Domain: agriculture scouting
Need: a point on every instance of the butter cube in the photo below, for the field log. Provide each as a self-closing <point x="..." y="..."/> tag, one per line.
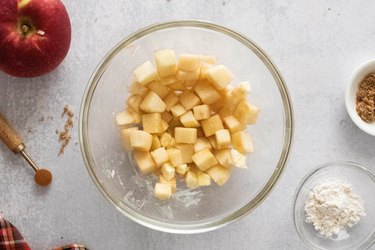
<point x="145" y="73"/>
<point x="144" y="162"/>
<point x="185" y="135"/>
<point x="204" y="159"/>
<point x="166" y="62"/>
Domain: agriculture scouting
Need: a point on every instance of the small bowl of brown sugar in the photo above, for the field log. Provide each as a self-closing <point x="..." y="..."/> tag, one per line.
<point x="360" y="97"/>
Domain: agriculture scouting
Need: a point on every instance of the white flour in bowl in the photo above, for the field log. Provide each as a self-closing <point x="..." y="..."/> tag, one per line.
<point x="331" y="206"/>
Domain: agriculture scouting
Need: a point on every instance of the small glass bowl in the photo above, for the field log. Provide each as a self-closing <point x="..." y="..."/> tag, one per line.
<point x="361" y="235"/>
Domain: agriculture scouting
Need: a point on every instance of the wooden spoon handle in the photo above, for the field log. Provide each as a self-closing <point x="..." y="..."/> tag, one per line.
<point x="10" y="137"/>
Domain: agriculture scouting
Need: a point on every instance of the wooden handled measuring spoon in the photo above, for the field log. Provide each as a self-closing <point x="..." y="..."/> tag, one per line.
<point x="13" y="141"/>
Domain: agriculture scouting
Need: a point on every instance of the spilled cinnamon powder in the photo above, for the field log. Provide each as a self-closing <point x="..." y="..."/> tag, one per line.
<point x="365" y="103"/>
<point x="64" y="136"/>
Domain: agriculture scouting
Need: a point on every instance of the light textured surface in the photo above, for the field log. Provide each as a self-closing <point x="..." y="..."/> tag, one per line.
<point x="315" y="43"/>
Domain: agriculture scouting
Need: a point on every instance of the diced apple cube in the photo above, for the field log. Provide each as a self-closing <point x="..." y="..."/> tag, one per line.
<point x="219" y="76"/>
<point x="207" y="93"/>
<point x="140" y="140"/>
<point x="201" y="143"/>
<point x="242" y="142"/>
<point x="166" y="62"/>
<point x="168" y="80"/>
<point x="231" y="123"/>
<point x="239" y="160"/>
<point x="216" y="106"/>
<point x="185" y="135"/>
<point x="172" y="182"/>
<point x="191" y="179"/>
<point x="242" y="90"/>
<point x="134" y="101"/>
<point x="166" y="116"/>
<point x="203" y="179"/>
<point x="172" y="143"/>
<point x="179" y="85"/>
<point x="163" y="191"/>
<point x="144" y="162"/>
<point x="165" y="139"/>
<point x="212" y="140"/>
<point x="161" y="90"/>
<point x="246" y="113"/>
<point x="187" y="151"/>
<point x="204" y="159"/>
<point x="219" y="174"/>
<point x="164" y="126"/>
<point x="175" y="156"/>
<point x="160" y="156"/>
<point x="137" y="116"/>
<point x="145" y="73"/>
<point x="178" y="110"/>
<point x="170" y="100"/>
<point x="224" y="157"/>
<point x="189" y="100"/>
<point x="202" y="112"/>
<point x="125" y="137"/>
<point x="211" y="125"/>
<point x="209" y="59"/>
<point x="168" y="171"/>
<point x="188" y="120"/>
<point x="152" y="123"/>
<point x="137" y="89"/>
<point x="155" y="142"/>
<point x="188" y="76"/>
<point x="124" y="118"/>
<point x="204" y="67"/>
<point x="152" y="103"/>
<point x="188" y="62"/>
<point x="222" y="137"/>
<point x="182" y="169"/>
<point x="224" y="112"/>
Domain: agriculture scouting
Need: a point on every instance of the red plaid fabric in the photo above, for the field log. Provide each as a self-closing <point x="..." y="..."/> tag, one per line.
<point x="11" y="239"/>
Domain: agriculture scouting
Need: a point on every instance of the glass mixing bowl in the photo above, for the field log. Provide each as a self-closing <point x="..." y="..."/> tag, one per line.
<point x="201" y="209"/>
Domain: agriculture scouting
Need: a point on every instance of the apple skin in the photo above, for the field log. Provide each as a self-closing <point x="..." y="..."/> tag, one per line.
<point x="34" y="36"/>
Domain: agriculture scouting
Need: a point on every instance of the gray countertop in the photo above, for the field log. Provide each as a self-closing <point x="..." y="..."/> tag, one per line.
<point x="316" y="44"/>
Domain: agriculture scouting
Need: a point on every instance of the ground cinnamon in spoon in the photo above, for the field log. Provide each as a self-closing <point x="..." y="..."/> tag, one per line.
<point x="64" y="136"/>
<point x="366" y="98"/>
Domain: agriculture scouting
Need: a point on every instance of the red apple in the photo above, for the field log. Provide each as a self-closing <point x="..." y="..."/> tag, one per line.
<point x="34" y="36"/>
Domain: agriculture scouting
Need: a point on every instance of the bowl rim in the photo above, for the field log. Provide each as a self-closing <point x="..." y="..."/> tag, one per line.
<point x="365" y="245"/>
<point x="218" y="222"/>
<point x="350" y="104"/>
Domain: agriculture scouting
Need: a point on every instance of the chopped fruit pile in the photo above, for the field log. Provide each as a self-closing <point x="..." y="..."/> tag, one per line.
<point x="184" y="119"/>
